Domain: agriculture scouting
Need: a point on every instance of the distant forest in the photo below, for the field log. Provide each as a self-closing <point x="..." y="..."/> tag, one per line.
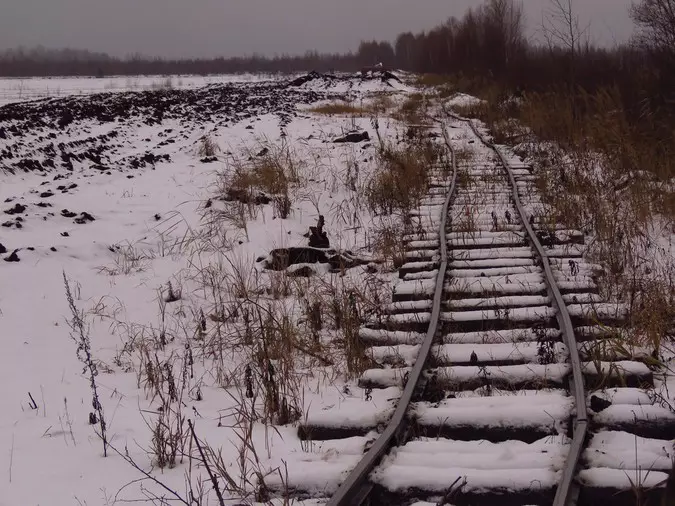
<point x="42" y="62"/>
<point x="488" y="41"/>
<point x="486" y="45"/>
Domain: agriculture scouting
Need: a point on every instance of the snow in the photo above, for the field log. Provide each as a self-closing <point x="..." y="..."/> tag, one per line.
<point x="620" y="479"/>
<point x="468" y="240"/>
<point x="581" y="298"/>
<point x="617" y="368"/>
<point x="519" y="314"/>
<point x="502" y="285"/>
<point x="580" y="284"/>
<point x="500" y="336"/>
<point x="503" y="254"/>
<point x="148" y="230"/>
<point x="390" y="337"/>
<point x="453" y="377"/>
<point x="462" y="100"/>
<point x="420" y="275"/>
<point x="493" y="271"/>
<point x="407" y="306"/>
<point x="21" y="89"/>
<point x="423" y="244"/>
<point x="491" y="263"/>
<point x="316" y="467"/>
<point x="419" y="286"/>
<point x="529" y="276"/>
<point x="352" y="411"/>
<point x="453" y="353"/>
<point x="626" y="395"/>
<point x="419" y="265"/>
<point x="523" y="409"/>
<point x="154" y="228"/>
<point x="622" y="450"/>
<point x="568" y="250"/>
<point x="432" y="465"/>
<point x="518" y="300"/>
<point x="603" y="310"/>
<point x="422" y="253"/>
<point x="630" y="414"/>
<point x="405" y="318"/>
<point x="341" y="83"/>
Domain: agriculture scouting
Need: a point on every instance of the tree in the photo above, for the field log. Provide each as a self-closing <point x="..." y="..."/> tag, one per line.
<point x="655" y="20"/>
<point x="561" y="29"/>
<point x="405" y="49"/>
<point x="374" y="52"/>
<point x="496" y="31"/>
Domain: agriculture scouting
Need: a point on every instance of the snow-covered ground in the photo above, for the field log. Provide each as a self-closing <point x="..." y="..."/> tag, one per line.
<point x="16" y="89"/>
<point x="120" y="193"/>
<point x="121" y="225"/>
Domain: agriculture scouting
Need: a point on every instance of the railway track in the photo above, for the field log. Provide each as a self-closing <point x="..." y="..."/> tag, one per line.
<point x="502" y="373"/>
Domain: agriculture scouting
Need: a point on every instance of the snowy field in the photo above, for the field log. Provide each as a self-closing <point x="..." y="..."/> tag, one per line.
<point x="24" y="89"/>
<point x="126" y="202"/>
<point x="167" y="214"/>
<point x="18" y="89"/>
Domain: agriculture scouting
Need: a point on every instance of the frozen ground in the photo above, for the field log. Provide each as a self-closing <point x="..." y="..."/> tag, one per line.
<point x="19" y="89"/>
<point x="116" y="191"/>
<point x="152" y="195"/>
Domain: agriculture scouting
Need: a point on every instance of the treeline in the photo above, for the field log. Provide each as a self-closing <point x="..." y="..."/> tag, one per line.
<point x="488" y="41"/>
<point x="487" y="45"/>
<point x="43" y="62"/>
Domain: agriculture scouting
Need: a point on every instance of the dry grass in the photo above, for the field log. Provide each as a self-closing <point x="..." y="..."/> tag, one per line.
<point x="340" y="109"/>
<point x="381" y="104"/>
<point x="378" y="106"/>
<point x="271" y="174"/>
<point x="207" y="147"/>
<point x="266" y="338"/>
<point x="401" y="177"/>
<point x="127" y="259"/>
<point x="389" y="245"/>
<point x="414" y="110"/>
<point x="598" y="173"/>
<point x="433" y="80"/>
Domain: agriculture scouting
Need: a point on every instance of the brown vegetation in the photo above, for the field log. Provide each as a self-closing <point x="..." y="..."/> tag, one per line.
<point x="339" y="108"/>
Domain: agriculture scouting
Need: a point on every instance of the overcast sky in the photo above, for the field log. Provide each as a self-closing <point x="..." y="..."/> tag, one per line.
<point x="203" y="28"/>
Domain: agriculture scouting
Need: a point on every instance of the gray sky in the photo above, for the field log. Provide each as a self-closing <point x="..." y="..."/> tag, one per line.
<point x="203" y="28"/>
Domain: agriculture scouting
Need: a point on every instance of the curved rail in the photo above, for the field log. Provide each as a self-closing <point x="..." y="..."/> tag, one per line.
<point x="567" y="491"/>
<point x="356" y="488"/>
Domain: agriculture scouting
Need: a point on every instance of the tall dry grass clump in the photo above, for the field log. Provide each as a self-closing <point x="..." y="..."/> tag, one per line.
<point x="602" y="172"/>
<point x="401" y="177"/>
<point x="339" y="109"/>
<point x="269" y="174"/>
<point x="207" y="147"/>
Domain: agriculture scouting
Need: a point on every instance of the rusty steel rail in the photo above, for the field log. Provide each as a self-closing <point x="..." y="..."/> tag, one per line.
<point x="356" y="488"/>
<point x="567" y="491"/>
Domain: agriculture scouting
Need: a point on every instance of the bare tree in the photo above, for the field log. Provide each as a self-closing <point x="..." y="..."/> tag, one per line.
<point x="656" y="26"/>
<point x="504" y="21"/>
<point x="561" y="29"/>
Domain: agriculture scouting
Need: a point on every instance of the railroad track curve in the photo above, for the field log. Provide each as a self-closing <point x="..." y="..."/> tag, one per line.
<point x="493" y="348"/>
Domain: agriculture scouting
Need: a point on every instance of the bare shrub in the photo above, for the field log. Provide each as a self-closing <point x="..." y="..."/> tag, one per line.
<point x="656" y="22"/>
<point x="127" y="259"/>
<point x="413" y="110"/>
<point x="207" y="147"/>
<point x="389" y="245"/>
<point x="401" y="178"/>
<point x="81" y="337"/>
<point x="338" y="108"/>
<point x="258" y="178"/>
